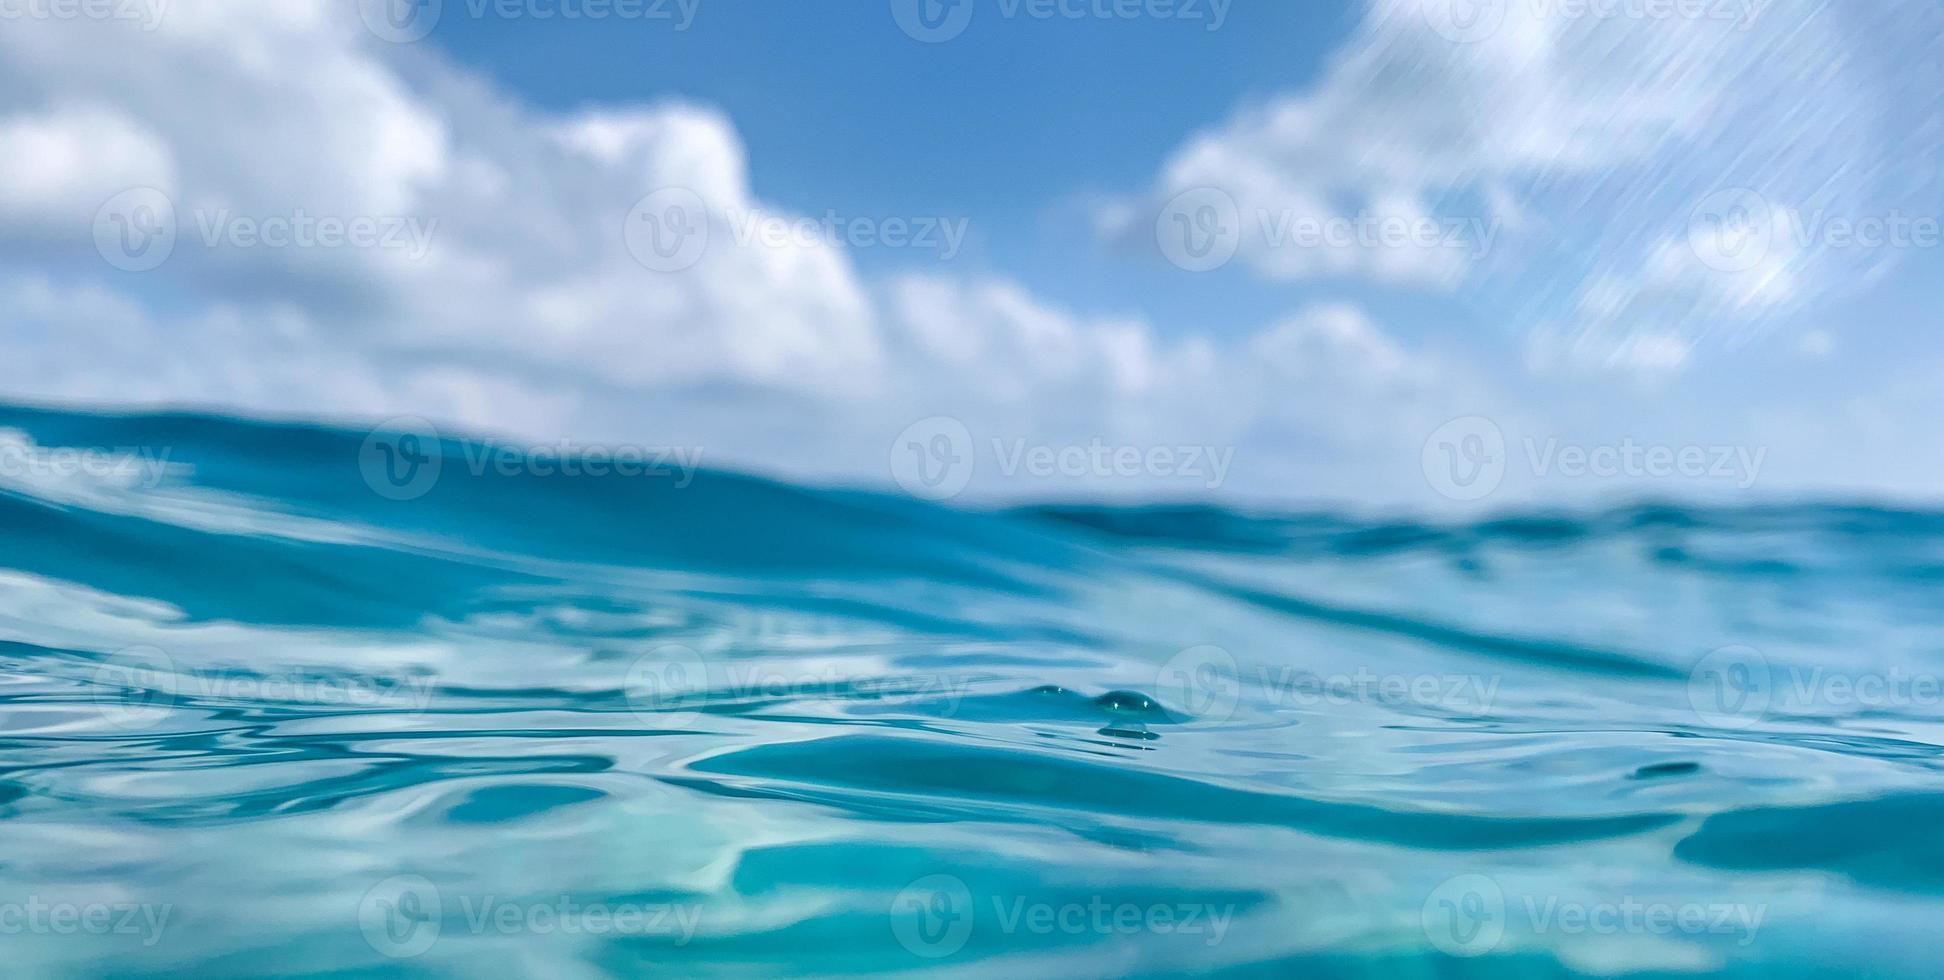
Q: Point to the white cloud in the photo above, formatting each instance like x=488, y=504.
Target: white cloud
x=1321, y=403
x=68, y=160
x=1586, y=145
x=250, y=114
x=536, y=308
x=1020, y=347
x=263, y=105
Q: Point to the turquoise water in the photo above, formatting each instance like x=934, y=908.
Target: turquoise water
x=260, y=718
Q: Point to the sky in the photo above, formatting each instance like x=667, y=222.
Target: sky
x=1425, y=254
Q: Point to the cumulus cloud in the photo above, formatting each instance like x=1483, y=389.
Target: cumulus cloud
x=582, y=272
x=587, y=274
x=1319, y=403
x=69, y=159
x=1567, y=154
x=517, y=223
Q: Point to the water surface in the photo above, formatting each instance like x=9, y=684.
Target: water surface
x=260, y=718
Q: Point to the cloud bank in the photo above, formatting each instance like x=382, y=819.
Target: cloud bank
x=181, y=203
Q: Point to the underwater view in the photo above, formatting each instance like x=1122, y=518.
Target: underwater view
x=449, y=722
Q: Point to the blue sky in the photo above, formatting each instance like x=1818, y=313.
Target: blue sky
x=1014, y=124
x=1642, y=217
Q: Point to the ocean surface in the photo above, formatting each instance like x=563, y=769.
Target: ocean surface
x=285, y=700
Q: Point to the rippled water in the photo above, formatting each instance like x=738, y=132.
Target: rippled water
x=260, y=718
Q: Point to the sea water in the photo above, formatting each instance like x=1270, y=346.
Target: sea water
x=275, y=703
